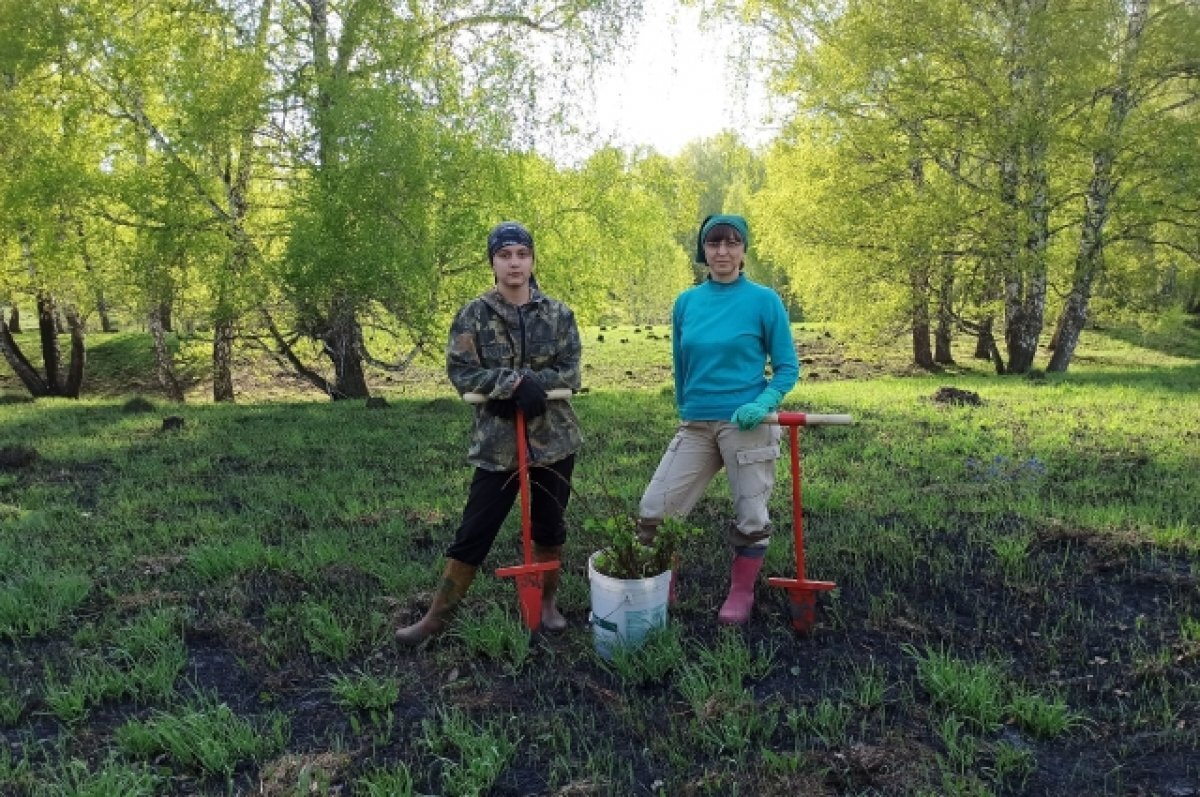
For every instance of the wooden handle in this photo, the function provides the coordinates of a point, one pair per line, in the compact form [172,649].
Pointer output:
[805,419]
[557,394]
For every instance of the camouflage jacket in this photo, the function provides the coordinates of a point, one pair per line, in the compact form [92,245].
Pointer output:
[491,341]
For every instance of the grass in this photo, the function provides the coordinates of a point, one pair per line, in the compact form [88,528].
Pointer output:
[208,610]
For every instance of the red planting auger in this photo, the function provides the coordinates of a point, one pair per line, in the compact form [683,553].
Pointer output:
[801,591]
[528,575]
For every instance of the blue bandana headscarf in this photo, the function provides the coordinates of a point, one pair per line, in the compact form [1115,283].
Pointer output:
[507,233]
[736,222]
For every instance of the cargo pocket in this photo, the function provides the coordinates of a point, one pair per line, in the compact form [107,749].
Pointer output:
[756,471]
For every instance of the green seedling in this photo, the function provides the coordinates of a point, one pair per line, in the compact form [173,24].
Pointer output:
[659,654]
[972,691]
[40,601]
[496,634]
[394,781]
[207,737]
[472,756]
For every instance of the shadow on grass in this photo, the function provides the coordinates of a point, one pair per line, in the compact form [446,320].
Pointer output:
[1174,379]
[1176,341]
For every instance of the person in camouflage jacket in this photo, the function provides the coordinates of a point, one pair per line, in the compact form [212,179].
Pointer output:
[512,344]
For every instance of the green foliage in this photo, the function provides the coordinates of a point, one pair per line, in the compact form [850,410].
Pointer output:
[216,562]
[207,737]
[1012,765]
[395,781]
[827,721]
[146,660]
[89,683]
[325,631]
[625,556]
[497,634]
[726,716]
[887,199]
[972,691]
[15,769]
[660,654]
[980,693]
[114,779]
[365,692]
[961,749]
[12,704]
[39,601]
[335,506]
[1045,718]
[472,756]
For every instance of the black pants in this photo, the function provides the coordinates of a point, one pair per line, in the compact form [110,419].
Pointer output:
[492,496]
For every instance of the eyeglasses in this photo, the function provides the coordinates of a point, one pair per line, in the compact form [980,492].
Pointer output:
[729,243]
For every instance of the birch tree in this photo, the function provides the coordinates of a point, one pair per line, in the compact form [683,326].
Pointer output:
[432,96]
[1138,131]
[980,105]
[46,142]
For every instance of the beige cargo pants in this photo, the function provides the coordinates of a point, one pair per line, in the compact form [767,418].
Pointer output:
[700,449]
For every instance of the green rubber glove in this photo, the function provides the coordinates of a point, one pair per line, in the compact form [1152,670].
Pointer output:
[750,415]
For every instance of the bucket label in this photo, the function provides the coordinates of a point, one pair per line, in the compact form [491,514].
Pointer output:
[607,625]
[640,623]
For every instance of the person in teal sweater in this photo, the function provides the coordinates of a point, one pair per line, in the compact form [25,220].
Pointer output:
[725,331]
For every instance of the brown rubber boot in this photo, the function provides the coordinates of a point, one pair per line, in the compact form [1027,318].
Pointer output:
[552,619]
[456,580]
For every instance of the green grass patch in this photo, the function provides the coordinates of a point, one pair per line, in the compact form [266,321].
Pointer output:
[1015,610]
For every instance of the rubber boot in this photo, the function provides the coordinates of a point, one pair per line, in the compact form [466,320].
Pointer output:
[647,530]
[456,580]
[739,602]
[552,619]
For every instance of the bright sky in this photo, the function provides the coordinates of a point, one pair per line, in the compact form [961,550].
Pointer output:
[675,84]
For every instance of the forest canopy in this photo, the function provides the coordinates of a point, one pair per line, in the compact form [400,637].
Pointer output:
[319,175]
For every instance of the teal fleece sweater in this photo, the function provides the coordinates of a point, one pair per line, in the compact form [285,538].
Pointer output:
[722,336]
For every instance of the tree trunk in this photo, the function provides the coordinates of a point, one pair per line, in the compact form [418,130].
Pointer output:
[89,267]
[1023,165]
[984,339]
[48,329]
[985,342]
[14,320]
[237,191]
[1014,283]
[918,276]
[222,360]
[78,362]
[994,351]
[1089,259]
[944,334]
[922,353]
[287,355]
[21,366]
[163,366]
[165,319]
[342,337]
[106,324]
[343,345]
[1027,311]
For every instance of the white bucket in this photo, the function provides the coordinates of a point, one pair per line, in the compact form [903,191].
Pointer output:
[624,611]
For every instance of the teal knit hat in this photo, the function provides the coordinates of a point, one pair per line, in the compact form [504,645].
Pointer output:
[736,222]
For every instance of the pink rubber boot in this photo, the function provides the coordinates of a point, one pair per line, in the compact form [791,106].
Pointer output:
[737,606]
